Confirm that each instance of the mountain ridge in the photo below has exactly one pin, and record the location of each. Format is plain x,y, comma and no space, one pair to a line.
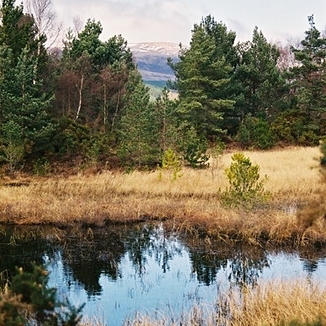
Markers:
151,59
155,48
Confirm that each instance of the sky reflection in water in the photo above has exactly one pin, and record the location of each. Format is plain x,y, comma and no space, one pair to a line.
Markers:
169,277
120,271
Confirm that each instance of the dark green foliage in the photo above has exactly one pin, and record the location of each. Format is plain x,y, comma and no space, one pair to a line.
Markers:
138,139
308,80
25,105
70,137
12,145
165,115
323,152
246,189
76,140
323,159
91,105
101,54
194,149
93,77
202,75
257,85
30,298
295,127
255,133
23,101
17,30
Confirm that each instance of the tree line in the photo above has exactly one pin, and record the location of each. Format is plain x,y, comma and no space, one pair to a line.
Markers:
86,103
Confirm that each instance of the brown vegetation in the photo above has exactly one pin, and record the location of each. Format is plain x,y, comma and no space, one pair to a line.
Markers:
190,203
274,303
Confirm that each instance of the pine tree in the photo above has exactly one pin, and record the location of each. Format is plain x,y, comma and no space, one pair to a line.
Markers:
258,82
25,105
17,29
202,75
166,117
138,132
308,82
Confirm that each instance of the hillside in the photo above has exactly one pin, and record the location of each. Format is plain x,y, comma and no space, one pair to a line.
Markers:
151,59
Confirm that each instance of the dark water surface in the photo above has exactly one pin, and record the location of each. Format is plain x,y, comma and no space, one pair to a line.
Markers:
121,270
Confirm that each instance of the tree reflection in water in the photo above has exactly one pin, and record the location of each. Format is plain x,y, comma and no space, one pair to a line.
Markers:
243,264
310,259
88,254
19,247
151,241
246,266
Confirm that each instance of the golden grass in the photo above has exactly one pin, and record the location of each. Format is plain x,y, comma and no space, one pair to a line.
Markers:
92,321
277,302
272,303
190,203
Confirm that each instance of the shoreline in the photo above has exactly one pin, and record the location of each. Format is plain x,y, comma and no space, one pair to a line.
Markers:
292,216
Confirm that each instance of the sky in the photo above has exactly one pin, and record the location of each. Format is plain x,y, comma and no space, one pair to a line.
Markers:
172,20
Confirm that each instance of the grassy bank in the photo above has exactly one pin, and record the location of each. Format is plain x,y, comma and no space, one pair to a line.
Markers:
191,203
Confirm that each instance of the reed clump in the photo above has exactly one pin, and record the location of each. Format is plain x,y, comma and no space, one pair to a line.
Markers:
190,203
276,303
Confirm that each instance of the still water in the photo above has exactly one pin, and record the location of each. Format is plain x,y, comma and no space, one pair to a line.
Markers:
120,271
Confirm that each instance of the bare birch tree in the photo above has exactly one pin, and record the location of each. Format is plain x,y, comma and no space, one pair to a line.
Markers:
45,20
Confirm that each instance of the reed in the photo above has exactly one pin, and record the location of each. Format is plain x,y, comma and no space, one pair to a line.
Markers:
280,303
92,321
190,203
273,303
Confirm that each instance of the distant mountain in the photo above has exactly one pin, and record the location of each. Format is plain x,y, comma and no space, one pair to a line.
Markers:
151,59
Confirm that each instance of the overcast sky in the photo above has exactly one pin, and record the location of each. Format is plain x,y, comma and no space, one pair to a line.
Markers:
173,20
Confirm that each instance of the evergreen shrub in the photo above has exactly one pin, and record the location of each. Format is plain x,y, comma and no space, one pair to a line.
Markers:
246,188
255,133
29,301
194,149
171,162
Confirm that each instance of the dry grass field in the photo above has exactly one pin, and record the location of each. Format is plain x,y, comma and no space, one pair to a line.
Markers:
294,215
190,203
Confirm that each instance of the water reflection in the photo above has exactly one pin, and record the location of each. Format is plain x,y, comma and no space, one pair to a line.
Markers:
120,270
247,265
244,264
19,247
87,255
311,259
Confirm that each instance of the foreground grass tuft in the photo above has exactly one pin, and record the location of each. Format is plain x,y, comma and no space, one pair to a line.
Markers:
295,303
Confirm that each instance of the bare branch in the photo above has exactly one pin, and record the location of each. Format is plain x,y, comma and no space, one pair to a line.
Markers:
78,24
45,19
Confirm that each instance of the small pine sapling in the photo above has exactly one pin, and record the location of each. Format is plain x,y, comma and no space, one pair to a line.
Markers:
246,189
171,162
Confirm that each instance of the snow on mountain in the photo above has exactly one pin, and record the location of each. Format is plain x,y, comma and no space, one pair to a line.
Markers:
155,48
151,59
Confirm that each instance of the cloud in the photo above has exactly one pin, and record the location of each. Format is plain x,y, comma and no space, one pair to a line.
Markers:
173,20
139,21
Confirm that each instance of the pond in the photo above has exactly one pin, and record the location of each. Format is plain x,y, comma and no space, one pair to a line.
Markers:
119,271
